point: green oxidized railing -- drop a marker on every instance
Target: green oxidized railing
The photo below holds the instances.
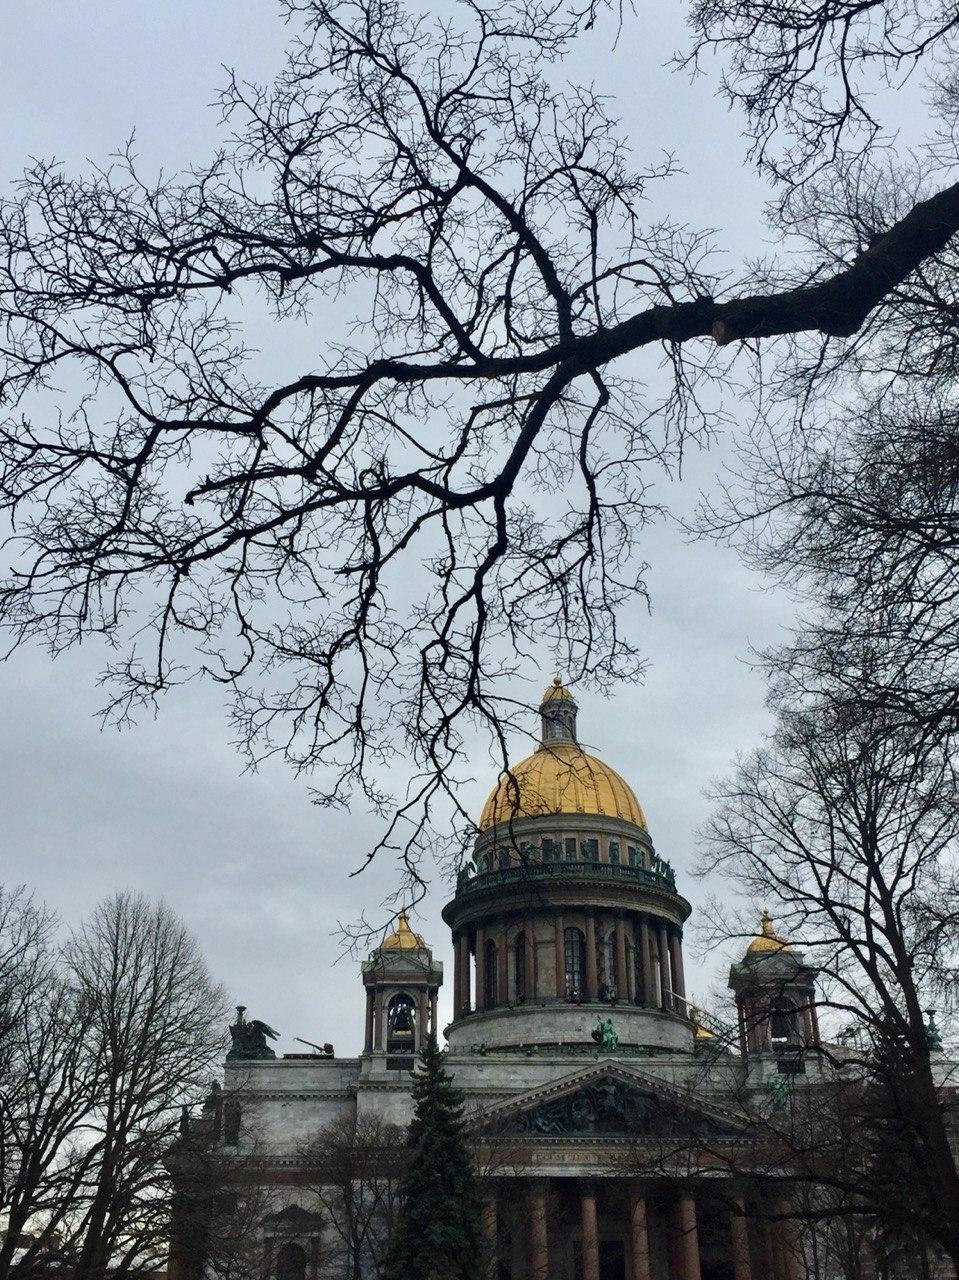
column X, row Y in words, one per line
column 472, row 882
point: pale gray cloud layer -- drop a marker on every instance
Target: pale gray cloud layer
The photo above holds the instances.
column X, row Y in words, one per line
column 260, row 875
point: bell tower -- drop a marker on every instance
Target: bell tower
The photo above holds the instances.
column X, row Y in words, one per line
column 776, row 1000
column 402, row 981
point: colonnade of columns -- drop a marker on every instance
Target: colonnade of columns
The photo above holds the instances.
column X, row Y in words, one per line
column 655, row 979
column 778, row 1253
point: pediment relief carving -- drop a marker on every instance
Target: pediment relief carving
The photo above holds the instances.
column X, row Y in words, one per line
column 609, row 1104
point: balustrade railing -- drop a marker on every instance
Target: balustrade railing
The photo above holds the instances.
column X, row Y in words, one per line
column 471, row 881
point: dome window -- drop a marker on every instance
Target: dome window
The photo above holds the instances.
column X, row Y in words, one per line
column 574, row 949
column 590, row 850
column 570, row 843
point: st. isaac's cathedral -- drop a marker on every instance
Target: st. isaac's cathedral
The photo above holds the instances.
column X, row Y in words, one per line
column 610, row 1117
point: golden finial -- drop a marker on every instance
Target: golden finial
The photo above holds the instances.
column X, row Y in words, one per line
column 767, row 939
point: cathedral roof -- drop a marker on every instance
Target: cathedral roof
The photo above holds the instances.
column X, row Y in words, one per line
column 560, row 777
column 403, row 938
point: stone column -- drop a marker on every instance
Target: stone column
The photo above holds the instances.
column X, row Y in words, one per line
column 590, row 1229
column 434, row 1016
column 560, row 960
column 463, row 995
column 646, row 961
column 368, row 1043
column 422, row 1034
column 538, row 1238
column 665, row 990
column 688, row 1231
column 530, row 958
column 739, row 1241
column 457, row 977
column 502, row 971
column 480, row 950
column 490, row 1236
column 787, row 1243
column 676, row 960
column 622, row 986
column 638, row 1238
column 378, row 1021
column 592, row 978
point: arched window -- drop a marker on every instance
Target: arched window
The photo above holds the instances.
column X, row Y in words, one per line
column 519, row 965
column 291, row 1262
column 574, row 947
column 489, row 974
column 401, row 1025
column 231, row 1122
column 783, row 1023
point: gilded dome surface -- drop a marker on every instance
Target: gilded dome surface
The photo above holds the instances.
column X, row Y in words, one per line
column 403, row 938
column 560, row 777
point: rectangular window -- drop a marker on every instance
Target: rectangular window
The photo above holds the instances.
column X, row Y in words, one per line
column 590, row 850
column 614, row 852
column 570, row 843
column 635, row 857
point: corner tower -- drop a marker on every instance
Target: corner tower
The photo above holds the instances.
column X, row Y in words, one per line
column 567, row 913
column 401, row 980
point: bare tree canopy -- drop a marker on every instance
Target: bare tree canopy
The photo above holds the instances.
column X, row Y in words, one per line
column 362, row 546
column 106, row 1038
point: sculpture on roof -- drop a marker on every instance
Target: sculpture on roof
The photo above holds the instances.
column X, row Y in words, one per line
column 249, row 1039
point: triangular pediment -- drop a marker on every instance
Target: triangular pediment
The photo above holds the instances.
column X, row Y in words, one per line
column 608, row 1100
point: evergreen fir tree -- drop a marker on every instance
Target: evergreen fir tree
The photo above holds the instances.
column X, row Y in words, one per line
column 438, row 1231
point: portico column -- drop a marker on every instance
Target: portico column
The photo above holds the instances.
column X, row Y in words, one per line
column 592, row 978
column 621, row 984
column 560, row 959
column 464, row 992
column 490, row 1237
column 529, row 956
column 587, row 1214
column 638, row 1238
column 538, row 1238
column 739, row 1241
column 368, row 1044
column 665, row 999
column 788, row 1237
column 480, row 949
column 688, row 1233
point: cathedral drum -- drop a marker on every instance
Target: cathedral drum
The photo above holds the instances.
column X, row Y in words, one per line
column 567, row 914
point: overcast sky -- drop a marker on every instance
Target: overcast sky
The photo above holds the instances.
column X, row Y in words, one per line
column 260, row 875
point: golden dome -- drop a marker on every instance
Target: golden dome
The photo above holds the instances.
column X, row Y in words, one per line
column 768, row 939
column 560, row 778
column 403, row 938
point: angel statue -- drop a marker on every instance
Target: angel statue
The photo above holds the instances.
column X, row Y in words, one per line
column 249, row 1038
